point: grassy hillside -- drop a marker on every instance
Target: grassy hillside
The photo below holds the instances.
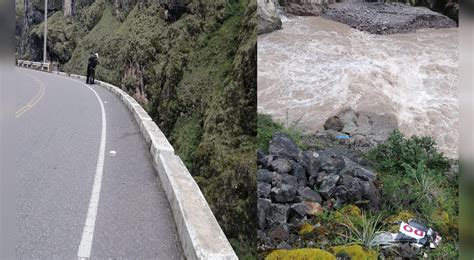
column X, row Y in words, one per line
column 197, row 79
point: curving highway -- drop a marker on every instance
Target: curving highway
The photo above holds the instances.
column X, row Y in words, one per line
column 75, row 198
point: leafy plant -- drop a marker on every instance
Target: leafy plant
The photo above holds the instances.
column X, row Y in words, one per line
column 399, row 152
column 364, row 232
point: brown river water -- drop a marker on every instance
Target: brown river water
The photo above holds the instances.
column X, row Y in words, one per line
column 314, row 67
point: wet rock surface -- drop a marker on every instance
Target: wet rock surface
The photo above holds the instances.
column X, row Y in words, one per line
column 296, row 185
column 267, row 16
column 386, row 18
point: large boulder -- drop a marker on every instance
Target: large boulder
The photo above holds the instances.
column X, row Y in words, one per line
column 277, row 214
column 282, row 145
column 283, row 193
column 267, row 16
column 307, row 194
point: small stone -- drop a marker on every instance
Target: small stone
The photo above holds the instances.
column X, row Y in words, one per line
column 314, row 208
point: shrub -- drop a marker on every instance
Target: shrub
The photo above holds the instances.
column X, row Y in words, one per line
column 398, row 153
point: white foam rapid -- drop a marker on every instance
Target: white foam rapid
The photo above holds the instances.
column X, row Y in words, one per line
column 314, row 67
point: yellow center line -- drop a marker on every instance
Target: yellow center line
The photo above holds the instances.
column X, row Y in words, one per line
column 33, row 101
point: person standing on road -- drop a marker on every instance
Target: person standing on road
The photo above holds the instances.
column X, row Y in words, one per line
column 92, row 63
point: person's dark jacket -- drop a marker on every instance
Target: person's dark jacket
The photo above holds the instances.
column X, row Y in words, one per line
column 93, row 61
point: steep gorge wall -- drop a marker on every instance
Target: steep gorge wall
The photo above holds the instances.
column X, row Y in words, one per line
column 196, row 76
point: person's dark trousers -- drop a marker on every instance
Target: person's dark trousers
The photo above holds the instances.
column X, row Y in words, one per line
column 89, row 75
column 92, row 80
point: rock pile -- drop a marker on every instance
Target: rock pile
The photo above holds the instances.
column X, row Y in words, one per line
column 364, row 128
column 294, row 185
column 387, row 18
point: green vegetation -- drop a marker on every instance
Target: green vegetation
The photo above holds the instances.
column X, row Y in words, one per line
column 413, row 174
column 266, row 127
column 363, row 230
column 195, row 76
column 413, row 182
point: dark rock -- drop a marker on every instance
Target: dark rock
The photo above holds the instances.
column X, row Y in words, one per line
column 328, row 186
column 282, row 145
column 283, row 193
column 263, row 189
column 300, row 208
column 267, row 16
column 264, row 175
column 287, row 179
column 371, row 193
column 277, row 214
column 266, row 161
column 407, row 251
column 263, row 209
column 311, row 162
column 333, row 164
column 356, row 170
column 387, row 18
column 284, row 245
column 300, row 174
column 260, row 156
column 281, row 166
column 280, row 232
column 262, row 236
column 333, row 123
column 308, row 194
column 313, row 177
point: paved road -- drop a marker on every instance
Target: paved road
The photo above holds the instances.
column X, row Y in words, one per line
column 59, row 124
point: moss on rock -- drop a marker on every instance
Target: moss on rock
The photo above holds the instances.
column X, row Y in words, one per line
column 300, row 254
column 356, row 252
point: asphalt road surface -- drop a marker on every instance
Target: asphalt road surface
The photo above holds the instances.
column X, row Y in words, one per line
column 74, row 198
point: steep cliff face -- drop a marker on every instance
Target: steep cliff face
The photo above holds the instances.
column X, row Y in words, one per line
column 194, row 72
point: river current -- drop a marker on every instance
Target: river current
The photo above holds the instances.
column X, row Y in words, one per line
column 314, row 67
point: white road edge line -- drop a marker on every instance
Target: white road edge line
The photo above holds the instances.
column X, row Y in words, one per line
column 85, row 247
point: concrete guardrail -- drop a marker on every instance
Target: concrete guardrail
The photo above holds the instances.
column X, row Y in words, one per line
column 46, row 66
column 199, row 232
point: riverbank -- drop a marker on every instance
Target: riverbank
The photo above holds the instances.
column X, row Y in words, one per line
column 387, row 18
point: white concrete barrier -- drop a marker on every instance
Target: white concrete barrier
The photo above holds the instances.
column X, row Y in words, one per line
column 199, row 232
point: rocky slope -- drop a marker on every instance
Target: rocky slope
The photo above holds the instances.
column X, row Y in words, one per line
column 317, row 194
column 196, row 76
